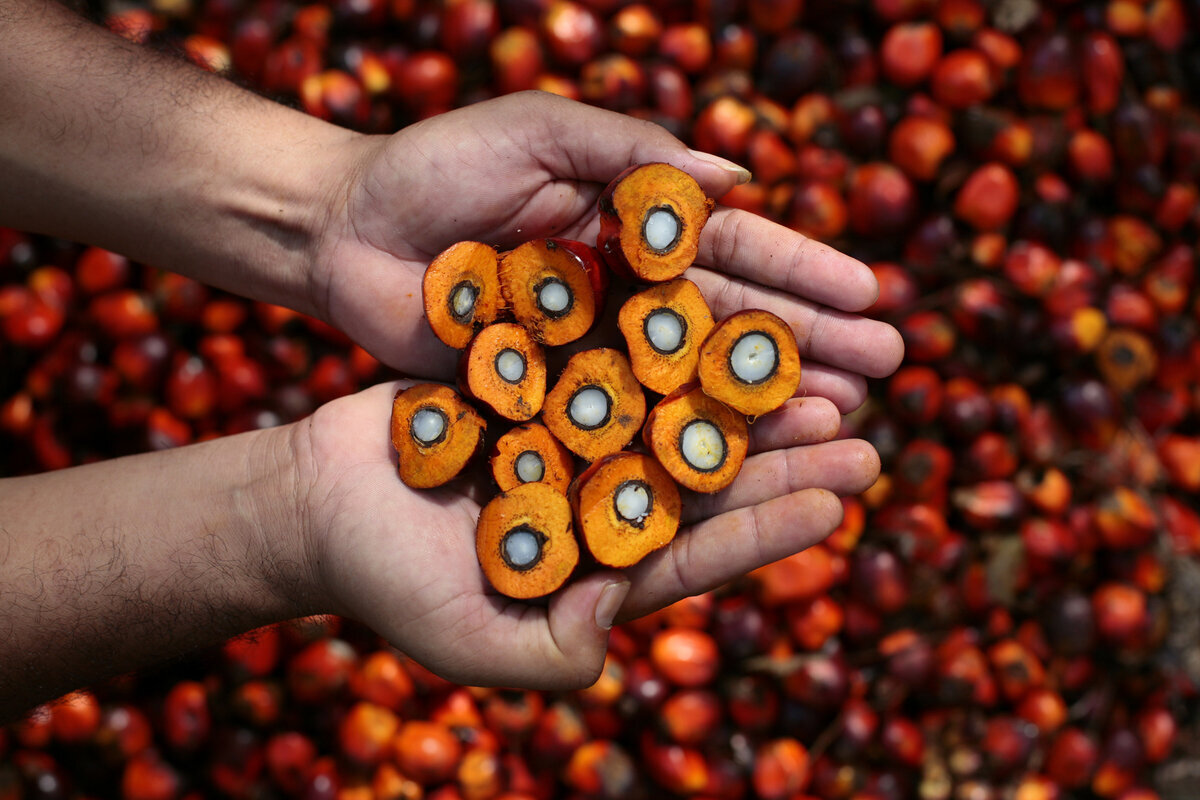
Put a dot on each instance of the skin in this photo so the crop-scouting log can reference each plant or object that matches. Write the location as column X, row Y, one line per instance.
column 109, row 567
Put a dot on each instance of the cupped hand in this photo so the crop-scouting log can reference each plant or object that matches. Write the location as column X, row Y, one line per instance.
column 530, row 165
column 403, row 561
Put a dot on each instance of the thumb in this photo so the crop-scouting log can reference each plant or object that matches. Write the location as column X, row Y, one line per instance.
column 579, row 621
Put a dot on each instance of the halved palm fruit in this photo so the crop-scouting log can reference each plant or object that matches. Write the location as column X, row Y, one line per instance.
column 461, row 292
column 525, row 541
column 651, row 216
column 750, row 362
column 698, row 439
column 664, row 327
column 626, row 507
column 435, row 433
column 529, row 453
column 597, row 406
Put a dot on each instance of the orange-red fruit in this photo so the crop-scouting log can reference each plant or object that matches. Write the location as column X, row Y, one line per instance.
column 919, row 145
column 435, row 433
column 988, row 198
column 626, row 507
column 461, row 292
column 428, row 752
column 685, row 656
column 505, row 368
column 664, row 327
column 550, row 286
column 597, row 406
column 529, row 453
column 699, row 440
column 651, row 216
column 525, row 541
column 909, row 52
column 750, row 362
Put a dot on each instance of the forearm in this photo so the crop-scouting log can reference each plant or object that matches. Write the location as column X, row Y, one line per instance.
column 109, row 143
column 109, row 567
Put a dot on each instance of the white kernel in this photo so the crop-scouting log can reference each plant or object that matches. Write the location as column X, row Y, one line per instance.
column 521, row 547
column 588, row 407
column 664, row 329
column 661, row 229
column 529, row 467
column 554, row 297
column 510, row 365
column 753, row 357
column 428, row 425
column 632, row 502
column 462, row 301
column 702, row 445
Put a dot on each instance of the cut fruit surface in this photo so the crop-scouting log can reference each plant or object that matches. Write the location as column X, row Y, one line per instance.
column 529, row 453
column 626, row 507
column 461, row 292
column 651, row 216
column 663, row 328
column 698, row 439
column 597, row 406
column 435, row 433
column 750, row 362
column 506, row 369
column 549, row 287
column 525, row 541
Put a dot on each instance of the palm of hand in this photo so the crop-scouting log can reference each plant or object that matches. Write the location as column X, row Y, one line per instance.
column 409, row 204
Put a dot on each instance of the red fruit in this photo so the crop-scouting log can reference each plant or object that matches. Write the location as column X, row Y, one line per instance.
column 573, row 33
column 75, row 718
column 882, row 200
column 1048, row 77
column 427, row 82
column 289, row 757
column 1120, row 611
column 919, row 145
column 123, row 314
column 690, row 716
column 601, row 768
column 781, row 769
column 800, row 576
column 1072, row 758
column 685, row 656
column 903, row 741
column 382, row 679
column 147, row 777
column 366, row 732
column 961, row 79
column 909, row 51
column 427, row 752
column 187, row 720
column 988, row 198
column 320, row 671
column 516, row 57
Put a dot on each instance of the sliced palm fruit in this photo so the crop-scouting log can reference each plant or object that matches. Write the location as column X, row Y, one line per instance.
column 664, row 327
column 651, row 216
column 435, row 433
column 506, row 369
column 698, row 439
column 626, row 507
column 529, row 453
column 525, row 541
column 597, row 406
column 461, row 292
column 548, row 285
column 751, row 362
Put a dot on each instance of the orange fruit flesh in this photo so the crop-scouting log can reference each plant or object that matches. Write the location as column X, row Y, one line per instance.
column 525, row 541
column 597, row 405
column 461, row 292
column 651, row 221
column 699, row 440
column 627, row 507
column 435, row 433
column 548, row 291
column 506, row 369
column 750, row 362
column 663, row 328
column 530, row 453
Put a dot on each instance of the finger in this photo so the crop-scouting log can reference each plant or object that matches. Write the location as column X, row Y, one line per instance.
column 846, row 390
column 588, row 143
column 739, row 243
column 843, row 467
column 847, row 341
column 800, row 421
column 559, row 646
column 721, row 548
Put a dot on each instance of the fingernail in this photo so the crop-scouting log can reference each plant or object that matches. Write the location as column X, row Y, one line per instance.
column 611, row 598
column 743, row 174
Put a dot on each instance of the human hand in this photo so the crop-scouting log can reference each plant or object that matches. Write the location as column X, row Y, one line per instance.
column 403, row 561
column 531, row 165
